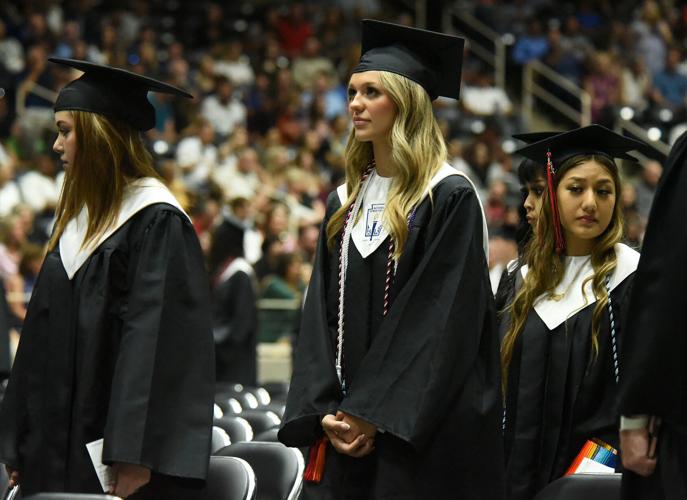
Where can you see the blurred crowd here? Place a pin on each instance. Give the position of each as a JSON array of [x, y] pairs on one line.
[[262, 142]]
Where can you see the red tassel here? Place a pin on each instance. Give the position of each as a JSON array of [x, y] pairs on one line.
[[560, 242], [315, 469]]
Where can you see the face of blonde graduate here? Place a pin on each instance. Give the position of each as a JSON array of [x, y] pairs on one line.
[[65, 142], [371, 108], [586, 199]]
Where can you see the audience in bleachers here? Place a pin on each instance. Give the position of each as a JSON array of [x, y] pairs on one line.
[[269, 120]]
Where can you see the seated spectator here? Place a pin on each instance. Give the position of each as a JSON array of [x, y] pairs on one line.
[[11, 52], [636, 85], [233, 64], [20, 285], [310, 64], [10, 195], [12, 238], [197, 155], [485, 99], [38, 186], [532, 45], [645, 186], [285, 284], [603, 85], [223, 109], [669, 86], [242, 178]]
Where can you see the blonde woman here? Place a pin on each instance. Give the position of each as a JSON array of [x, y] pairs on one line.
[[121, 303], [563, 326], [395, 386]]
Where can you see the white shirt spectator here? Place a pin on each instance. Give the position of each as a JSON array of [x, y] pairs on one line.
[[10, 196], [197, 160], [39, 191], [486, 101], [239, 72], [223, 117]]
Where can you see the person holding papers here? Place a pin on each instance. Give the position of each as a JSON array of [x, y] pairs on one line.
[[562, 329], [117, 344], [395, 386]]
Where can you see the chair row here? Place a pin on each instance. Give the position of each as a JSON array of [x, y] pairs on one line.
[[229, 478]]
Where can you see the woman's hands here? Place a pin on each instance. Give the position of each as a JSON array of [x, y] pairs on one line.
[[349, 435], [128, 479]]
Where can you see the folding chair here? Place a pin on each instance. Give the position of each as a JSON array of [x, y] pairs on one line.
[[279, 469]]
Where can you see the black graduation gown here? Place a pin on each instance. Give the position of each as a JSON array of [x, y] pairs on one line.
[[655, 381], [122, 351], [235, 321], [5, 325], [427, 374], [559, 395]]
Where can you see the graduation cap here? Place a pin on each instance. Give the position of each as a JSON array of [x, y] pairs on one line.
[[556, 149], [532, 137], [112, 92], [592, 139], [431, 59]]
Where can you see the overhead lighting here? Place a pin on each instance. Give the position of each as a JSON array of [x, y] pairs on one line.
[[508, 146], [665, 115], [654, 134], [160, 147], [477, 127], [627, 113]]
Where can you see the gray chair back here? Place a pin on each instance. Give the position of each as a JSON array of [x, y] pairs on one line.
[[279, 469], [229, 478]]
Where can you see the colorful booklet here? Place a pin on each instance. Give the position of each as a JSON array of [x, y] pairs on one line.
[[595, 456]]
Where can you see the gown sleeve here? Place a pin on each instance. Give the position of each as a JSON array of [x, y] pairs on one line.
[[161, 403], [435, 334], [314, 390]]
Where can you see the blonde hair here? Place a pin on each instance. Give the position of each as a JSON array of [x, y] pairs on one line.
[[417, 152], [546, 268], [109, 154]]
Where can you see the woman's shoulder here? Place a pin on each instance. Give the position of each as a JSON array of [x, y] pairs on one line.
[[449, 182]]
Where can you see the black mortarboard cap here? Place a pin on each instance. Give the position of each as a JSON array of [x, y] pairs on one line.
[[431, 59], [592, 139], [532, 137], [112, 92]]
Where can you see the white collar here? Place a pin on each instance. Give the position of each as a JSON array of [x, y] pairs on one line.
[[573, 299], [444, 171], [369, 230], [236, 265], [138, 194]]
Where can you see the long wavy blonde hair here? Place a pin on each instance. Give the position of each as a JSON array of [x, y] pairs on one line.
[[417, 152], [109, 154], [546, 268]]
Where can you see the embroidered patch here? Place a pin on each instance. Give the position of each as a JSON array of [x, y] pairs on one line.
[[373, 221]]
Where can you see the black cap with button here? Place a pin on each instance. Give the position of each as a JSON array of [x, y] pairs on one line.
[[431, 59], [112, 92]]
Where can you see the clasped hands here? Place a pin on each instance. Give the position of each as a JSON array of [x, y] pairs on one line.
[[349, 435]]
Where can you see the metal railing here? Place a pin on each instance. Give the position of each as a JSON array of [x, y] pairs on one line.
[[531, 89], [468, 25], [641, 133]]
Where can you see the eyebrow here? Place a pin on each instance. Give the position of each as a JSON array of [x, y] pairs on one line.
[[363, 84], [584, 179], [61, 122]]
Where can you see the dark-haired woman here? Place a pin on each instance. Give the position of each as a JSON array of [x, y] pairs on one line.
[[562, 327]]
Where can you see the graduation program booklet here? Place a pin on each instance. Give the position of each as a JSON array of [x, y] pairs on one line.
[[104, 472]]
